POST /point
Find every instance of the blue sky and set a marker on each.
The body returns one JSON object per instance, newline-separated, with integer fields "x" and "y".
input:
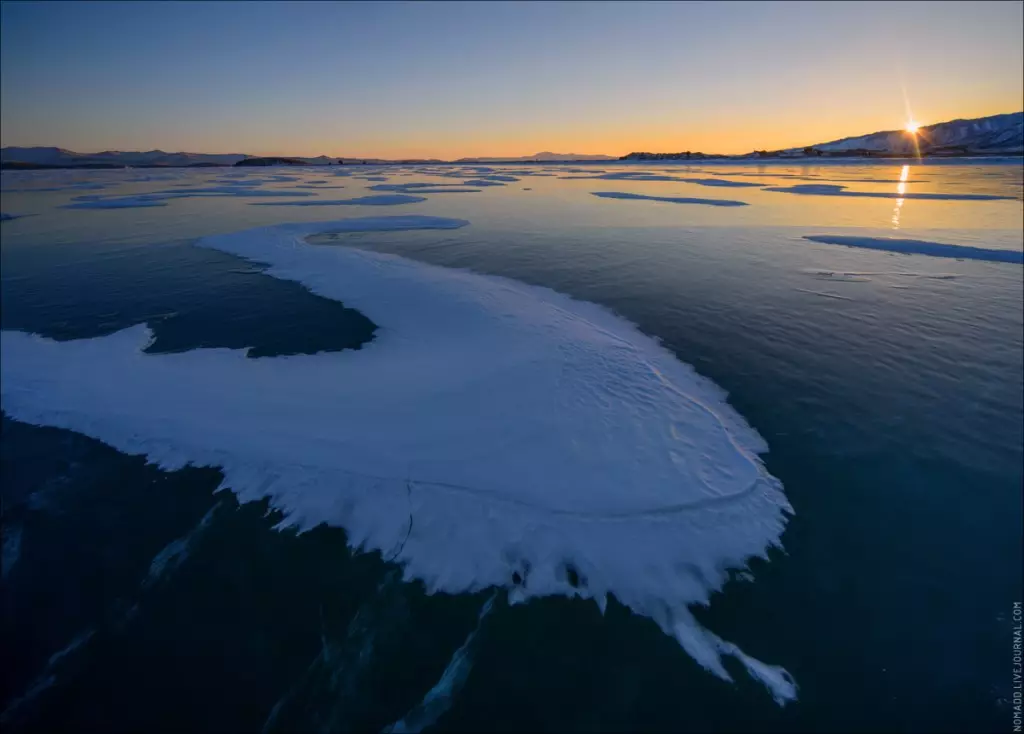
{"x": 451, "y": 79}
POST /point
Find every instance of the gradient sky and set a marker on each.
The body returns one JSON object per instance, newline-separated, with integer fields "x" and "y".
{"x": 425, "y": 79}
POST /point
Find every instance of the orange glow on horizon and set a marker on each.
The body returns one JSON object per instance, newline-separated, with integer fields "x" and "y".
{"x": 681, "y": 131}
{"x": 728, "y": 136}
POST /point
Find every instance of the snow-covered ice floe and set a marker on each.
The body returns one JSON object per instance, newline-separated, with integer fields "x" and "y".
{"x": 493, "y": 434}
{"x": 425, "y": 188}
{"x": 629, "y": 176}
{"x": 920, "y": 247}
{"x": 160, "y": 198}
{"x": 670, "y": 199}
{"x": 836, "y": 190}
{"x": 120, "y": 202}
{"x": 67, "y": 187}
{"x": 378, "y": 200}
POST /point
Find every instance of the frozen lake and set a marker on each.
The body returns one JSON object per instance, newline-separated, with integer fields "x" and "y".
{"x": 650, "y": 446}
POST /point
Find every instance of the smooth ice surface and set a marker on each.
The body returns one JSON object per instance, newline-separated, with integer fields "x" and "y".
{"x": 836, "y": 190}
{"x": 10, "y": 545}
{"x": 920, "y": 247}
{"x": 825, "y": 294}
{"x": 380, "y": 200}
{"x": 524, "y": 433}
{"x": 670, "y": 199}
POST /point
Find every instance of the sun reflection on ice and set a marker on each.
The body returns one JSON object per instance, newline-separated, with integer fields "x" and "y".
{"x": 901, "y": 189}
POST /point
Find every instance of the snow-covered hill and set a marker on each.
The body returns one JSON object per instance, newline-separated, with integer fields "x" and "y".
{"x": 995, "y": 134}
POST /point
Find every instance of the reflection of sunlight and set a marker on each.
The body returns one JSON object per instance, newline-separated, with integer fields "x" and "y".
{"x": 901, "y": 189}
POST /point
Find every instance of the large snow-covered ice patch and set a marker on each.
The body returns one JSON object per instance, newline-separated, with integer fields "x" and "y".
{"x": 492, "y": 434}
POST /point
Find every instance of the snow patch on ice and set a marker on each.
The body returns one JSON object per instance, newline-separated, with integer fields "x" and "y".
{"x": 670, "y": 199}
{"x": 160, "y": 198}
{"x": 921, "y": 247}
{"x": 425, "y": 188}
{"x": 522, "y": 431}
{"x": 836, "y": 190}
{"x": 631, "y": 176}
{"x": 67, "y": 187}
{"x": 825, "y": 294}
{"x": 721, "y": 182}
{"x": 379, "y": 200}
{"x": 123, "y": 202}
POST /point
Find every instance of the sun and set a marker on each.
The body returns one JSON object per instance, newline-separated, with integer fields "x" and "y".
{"x": 912, "y": 127}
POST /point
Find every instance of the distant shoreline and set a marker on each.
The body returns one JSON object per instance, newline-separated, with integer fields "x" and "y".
{"x": 1014, "y": 156}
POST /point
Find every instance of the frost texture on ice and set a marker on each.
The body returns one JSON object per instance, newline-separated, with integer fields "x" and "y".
{"x": 669, "y": 199}
{"x": 492, "y": 433}
{"x": 921, "y": 247}
{"x": 439, "y": 698}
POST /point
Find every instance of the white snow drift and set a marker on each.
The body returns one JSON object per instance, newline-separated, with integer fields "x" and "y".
{"x": 492, "y": 433}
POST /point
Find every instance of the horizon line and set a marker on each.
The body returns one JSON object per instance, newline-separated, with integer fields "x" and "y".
{"x": 477, "y": 157}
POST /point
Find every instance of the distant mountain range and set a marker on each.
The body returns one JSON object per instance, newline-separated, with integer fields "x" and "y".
{"x": 43, "y": 157}
{"x": 115, "y": 158}
{"x": 541, "y": 157}
{"x": 994, "y": 135}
